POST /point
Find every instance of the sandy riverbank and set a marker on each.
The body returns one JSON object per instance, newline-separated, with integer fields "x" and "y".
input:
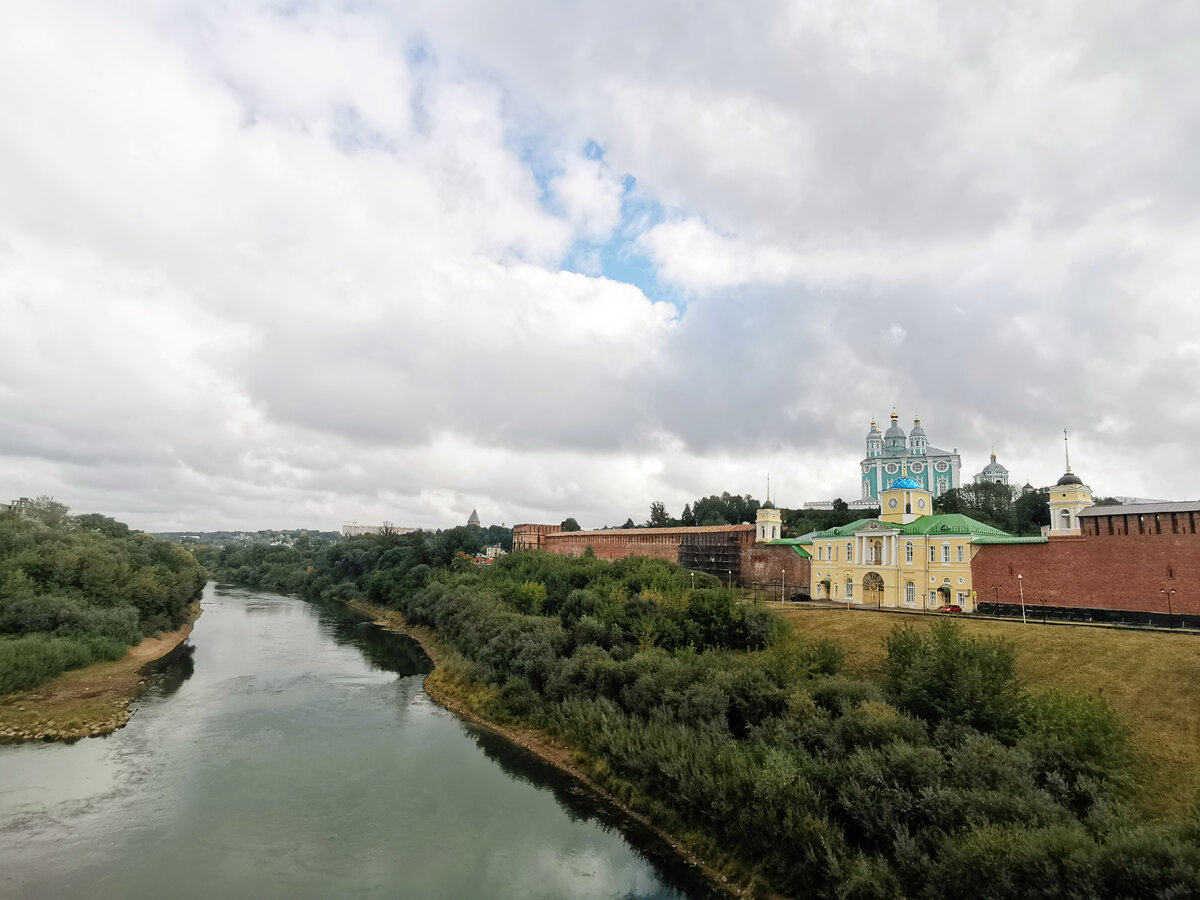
{"x": 87, "y": 702}
{"x": 554, "y": 752}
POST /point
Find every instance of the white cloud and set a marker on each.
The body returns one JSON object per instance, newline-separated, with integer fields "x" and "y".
{"x": 299, "y": 264}
{"x": 591, "y": 197}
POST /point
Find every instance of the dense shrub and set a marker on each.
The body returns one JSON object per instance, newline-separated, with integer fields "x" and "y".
{"x": 77, "y": 590}
{"x": 943, "y": 779}
{"x": 941, "y": 674}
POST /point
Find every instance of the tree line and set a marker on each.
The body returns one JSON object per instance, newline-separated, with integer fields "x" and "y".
{"x": 944, "y": 775}
{"x": 75, "y": 590}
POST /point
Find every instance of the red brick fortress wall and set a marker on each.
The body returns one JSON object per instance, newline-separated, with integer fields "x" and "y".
{"x": 724, "y": 551}
{"x": 657, "y": 543}
{"x": 616, "y": 543}
{"x": 529, "y": 537}
{"x": 1096, "y": 570}
{"x": 767, "y": 564}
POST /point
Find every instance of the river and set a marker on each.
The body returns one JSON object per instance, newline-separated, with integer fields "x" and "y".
{"x": 289, "y": 751}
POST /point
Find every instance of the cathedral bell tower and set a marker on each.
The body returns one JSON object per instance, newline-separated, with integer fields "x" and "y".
{"x": 1068, "y": 498}
{"x": 768, "y": 524}
{"x": 904, "y": 500}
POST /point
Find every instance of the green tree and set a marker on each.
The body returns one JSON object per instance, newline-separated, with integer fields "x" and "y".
{"x": 1031, "y": 511}
{"x": 658, "y": 515}
{"x": 569, "y": 524}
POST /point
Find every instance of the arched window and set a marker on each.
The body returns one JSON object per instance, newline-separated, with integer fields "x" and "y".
{"x": 849, "y": 552}
{"x": 908, "y": 552}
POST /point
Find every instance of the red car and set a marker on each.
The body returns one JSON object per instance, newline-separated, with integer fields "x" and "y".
{"x": 953, "y": 607}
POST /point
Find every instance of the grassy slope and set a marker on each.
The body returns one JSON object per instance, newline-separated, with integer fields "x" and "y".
{"x": 1151, "y": 679}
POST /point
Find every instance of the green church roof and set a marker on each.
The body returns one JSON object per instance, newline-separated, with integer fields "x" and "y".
{"x": 951, "y": 523}
{"x": 947, "y": 523}
{"x": 1009, "y": 539}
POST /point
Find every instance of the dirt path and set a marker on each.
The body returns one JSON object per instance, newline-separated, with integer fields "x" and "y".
{"x": 86, "y": 702}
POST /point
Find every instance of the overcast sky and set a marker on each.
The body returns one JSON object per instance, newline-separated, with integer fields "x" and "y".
{"x": 293, "y": 264}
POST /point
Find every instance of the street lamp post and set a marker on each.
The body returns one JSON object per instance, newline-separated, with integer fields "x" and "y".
{"x": 997, "y": 588}
{"x": 1167, "y": 594}
{"x": 1021, "y": 587}
{"x": 783, "y": 585}
{"x": 729, "y": 580}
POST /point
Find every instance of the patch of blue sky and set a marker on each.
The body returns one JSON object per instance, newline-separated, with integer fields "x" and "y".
{"x": 538, "y": 156}
{"x": 621, "y": 258}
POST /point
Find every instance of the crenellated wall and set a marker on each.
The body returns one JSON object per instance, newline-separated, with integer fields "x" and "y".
{"x": 1124, "y": 570}
{"x": 727, "y": 551}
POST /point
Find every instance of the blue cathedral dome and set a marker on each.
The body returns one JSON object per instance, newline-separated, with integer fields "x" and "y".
{"x": 906, "y": 483}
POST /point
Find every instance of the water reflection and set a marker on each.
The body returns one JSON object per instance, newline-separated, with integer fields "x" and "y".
{"x": 171, "y": 671}
{"x": 581, "y": 805}
{"x": 289, "y": 751}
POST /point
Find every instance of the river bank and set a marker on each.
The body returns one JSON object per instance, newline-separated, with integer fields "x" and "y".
{"x": 91, "y": 701}
{"x": 448, "y": 694}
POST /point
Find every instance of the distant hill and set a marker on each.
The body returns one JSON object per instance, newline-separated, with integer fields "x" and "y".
{"x": 265, "y": 536}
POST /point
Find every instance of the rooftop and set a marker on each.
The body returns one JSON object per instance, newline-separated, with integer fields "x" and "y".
{"x": 1138, "y": 509}
{"x": 682, "y": 529}
{"x": 948, "y": 523}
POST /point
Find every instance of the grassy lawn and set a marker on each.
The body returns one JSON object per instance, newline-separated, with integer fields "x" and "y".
{"x": 1151, "y": 679}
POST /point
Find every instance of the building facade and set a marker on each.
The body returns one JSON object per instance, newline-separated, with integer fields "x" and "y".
{"x": 906, "y": 558}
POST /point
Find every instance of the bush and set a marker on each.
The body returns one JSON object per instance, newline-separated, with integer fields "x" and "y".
{"x": 31, "y": 659}
{"x": 943, "y": 675}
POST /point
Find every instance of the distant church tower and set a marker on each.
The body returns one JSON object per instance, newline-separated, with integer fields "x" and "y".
{"x": 993, "y": 473}
{"x": 474, "y": 518}
{"x": 1068, "y": 498}
{"x": 769, "y": 521}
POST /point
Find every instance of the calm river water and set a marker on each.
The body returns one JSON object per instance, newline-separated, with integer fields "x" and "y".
{"x": 290, "y": 752}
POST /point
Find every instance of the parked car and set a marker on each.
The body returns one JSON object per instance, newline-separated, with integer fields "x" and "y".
{"x": 951, "y": 608}
{"x": 800, "y": 598}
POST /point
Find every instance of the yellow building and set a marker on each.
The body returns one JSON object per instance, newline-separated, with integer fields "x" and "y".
{"x": 905, "y": 558}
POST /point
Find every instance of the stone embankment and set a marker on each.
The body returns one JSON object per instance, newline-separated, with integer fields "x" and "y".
{"x": 87, "y": 702}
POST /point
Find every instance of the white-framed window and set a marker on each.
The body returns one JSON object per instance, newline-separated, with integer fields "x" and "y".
{"x": 932, "y": 552}
{"x": 962, "y": 598}
{"x": 849, "y": 552}
{"x": 933, "y": 598}
{"x": 820, "y": 552}
{"x": 910, "y": 594}
{"x": 849, "y": 589}
{"x": 945, "y": 553}
{"x": 960, "y": 552}
{"x": 908, "y": 552}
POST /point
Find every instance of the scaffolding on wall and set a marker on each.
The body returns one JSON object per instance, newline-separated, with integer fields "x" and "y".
{"x": 719, "y": 555}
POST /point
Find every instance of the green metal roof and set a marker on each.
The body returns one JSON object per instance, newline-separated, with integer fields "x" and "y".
{"x": 794, "y": 543}
{"x": 951, "y": 523}
{"x": 948, "y": 523}
{"x": 1009, "y": 539}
